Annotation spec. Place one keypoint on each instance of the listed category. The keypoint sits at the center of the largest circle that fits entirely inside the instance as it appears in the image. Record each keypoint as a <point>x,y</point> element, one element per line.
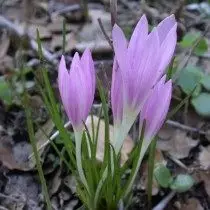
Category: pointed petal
<point>117,93</point>
<point>167,49</point>
<point>137,41</point>
<point>120,46</point>
<point>165,26</point>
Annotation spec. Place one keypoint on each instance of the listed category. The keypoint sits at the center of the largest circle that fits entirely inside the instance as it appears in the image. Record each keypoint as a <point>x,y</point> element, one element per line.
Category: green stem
<point>150,171</point>
<point>78,140</point>
<point>37,158</point>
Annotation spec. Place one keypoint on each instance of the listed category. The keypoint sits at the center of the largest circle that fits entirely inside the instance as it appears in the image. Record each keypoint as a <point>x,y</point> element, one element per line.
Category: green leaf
<point>189,39</point>
<point>201,47</point>
<point>5,91</point>
<point>182,183</point>
<point>189,78</point>
<point>202,104</point>
<point>206,82</point>
<point>162,175</point>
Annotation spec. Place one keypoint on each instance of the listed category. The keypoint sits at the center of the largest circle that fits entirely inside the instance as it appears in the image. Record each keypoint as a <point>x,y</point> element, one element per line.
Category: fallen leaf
<point>90,35</point>
<point>4,45</point>
<point>44,32</point>
<point>192,204</point>
<point>126,148</point>
<point>178,145</point>
<point>57,42</point>
<point>6,153</point>
<point>203,176</point>
<point>204,157</point>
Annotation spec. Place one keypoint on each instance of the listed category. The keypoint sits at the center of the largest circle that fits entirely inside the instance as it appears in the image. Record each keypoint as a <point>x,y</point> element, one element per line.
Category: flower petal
<point>165,26</point>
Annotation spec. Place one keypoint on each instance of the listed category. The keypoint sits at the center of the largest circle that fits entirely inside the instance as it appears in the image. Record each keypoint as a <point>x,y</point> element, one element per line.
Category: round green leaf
<point>162,175</point>
<point>189,39</point>
<point>206,82</point>
<point>182,183</point>
<point>201,47</point>
<point>202,104</point>
<point>189,78</point>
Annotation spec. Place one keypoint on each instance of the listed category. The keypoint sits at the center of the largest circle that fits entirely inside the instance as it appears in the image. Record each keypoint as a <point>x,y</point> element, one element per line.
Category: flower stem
<point>78,139</point>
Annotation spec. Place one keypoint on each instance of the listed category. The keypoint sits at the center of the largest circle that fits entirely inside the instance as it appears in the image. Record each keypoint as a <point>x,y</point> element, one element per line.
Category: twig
<point>185,127</point>
<point>113,9</point>
<point>178,162</point>
<point>19,32</point>
<point>51,138</point>
<point>104,32</point>
<point>163,203</point>
<point>67,9</point>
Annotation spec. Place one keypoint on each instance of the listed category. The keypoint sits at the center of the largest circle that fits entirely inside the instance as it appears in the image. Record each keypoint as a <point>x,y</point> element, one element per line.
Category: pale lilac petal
<point>117,93</point>
<point>120,46</point>
<point>165,26</point>
<point>76,87</point>
<point>136,43</point>
<point>147,71</point>
<point>155,108</point>
<point>167,50</point>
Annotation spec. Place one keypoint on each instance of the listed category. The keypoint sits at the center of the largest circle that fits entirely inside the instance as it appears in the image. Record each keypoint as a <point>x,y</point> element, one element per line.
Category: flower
<point>155,109</point>
<point>77,87</point>
<point>138,66</point>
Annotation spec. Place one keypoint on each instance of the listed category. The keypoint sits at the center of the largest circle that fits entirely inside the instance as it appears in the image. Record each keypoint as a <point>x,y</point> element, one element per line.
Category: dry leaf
<point>178,145</point>
<point>203,176</point>
<point>57,42</point>
<point>192,204</point>
<point>126,148</point>
<point>90,36</point>
<point>4,45</point>
<point>204,157</point>
<point>6,153</point>
<point>44,32</point>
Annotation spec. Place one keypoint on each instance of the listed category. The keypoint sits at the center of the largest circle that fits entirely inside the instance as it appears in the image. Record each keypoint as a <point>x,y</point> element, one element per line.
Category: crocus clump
<point>138,66</point>
<point>139,87</point>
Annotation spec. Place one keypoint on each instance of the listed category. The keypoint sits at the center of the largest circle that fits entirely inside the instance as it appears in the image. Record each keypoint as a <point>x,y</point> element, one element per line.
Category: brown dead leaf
<point>57,42</point>
<point>144,173</point>
<point>6,153</point>
<point>192,204</point>
<point>126,148</point>
<point>204,157</point>
<point>90,36</point>
<point>203,176</point>
<point>178,145</point>
<point>4,45</point>
<point>44,32</point>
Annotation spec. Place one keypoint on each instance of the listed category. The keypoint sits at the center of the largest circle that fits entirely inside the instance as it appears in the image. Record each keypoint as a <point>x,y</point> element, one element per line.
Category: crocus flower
<point>138,66</point>
<point>155,109</point>
<point>77,87</point>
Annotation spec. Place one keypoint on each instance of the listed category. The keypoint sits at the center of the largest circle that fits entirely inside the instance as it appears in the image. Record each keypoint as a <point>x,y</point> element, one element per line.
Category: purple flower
<point>155,109</point>
<point>77,87</point>
<point>139,65</point>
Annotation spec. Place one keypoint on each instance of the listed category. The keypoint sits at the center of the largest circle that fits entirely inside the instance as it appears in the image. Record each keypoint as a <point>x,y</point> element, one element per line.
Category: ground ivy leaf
<point>201,104</point>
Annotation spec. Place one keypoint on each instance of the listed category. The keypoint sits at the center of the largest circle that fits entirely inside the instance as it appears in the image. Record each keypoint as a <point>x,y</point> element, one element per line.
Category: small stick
<point>50,139</point>
<point>163,203</point>
<point>113,9</point>
<point>185,127</point>
<point>104,32</point>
